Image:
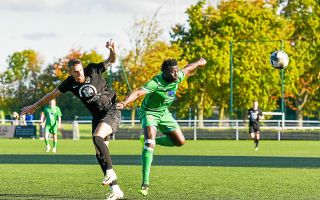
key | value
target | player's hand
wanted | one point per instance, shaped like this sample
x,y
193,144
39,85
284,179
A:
x,y
28,109
111,46
202,62
121,105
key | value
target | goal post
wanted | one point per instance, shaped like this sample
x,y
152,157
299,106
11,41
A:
x,y
282,121
75,130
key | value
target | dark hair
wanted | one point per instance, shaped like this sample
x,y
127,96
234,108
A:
x,y
72,62
168,63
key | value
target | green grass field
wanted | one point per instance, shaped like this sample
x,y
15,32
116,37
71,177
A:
x,y
198,170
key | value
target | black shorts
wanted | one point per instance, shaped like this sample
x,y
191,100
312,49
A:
x,y
253,128
111,117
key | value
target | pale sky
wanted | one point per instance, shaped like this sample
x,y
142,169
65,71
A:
x,y
53,27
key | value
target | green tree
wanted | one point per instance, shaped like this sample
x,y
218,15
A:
x,y
303,72
197,42
208,35
19,81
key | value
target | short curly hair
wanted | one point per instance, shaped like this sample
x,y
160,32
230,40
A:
x,y
168,63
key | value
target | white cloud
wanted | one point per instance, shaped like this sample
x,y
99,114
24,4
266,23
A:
x,y
39,35
76,6
30,5
53,27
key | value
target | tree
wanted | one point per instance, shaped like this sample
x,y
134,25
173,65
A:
x,y
197,42
305,40
19,81
208,34
143,36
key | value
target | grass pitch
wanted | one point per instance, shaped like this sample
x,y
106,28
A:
x,y
198,170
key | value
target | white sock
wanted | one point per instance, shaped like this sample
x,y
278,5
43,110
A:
x,y
109,171
115,188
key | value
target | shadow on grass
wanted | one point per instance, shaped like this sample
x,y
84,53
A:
x,y
164,160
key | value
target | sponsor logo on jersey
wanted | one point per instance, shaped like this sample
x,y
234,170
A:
x,y
87,91
171,93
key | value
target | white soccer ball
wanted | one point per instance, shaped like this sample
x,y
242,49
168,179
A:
x,y
279,59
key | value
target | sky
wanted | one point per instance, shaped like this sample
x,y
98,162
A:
x,y
54,27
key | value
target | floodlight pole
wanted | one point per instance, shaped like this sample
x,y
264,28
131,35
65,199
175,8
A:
x,y
282,84
231,79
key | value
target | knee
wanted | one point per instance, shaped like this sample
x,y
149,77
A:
x,y
150,143
180,142
96,139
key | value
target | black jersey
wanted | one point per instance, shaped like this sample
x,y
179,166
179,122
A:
x,y
254,116
94,92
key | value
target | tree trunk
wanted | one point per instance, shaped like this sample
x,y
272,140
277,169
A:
x,y
221,114
133,116
200,110
299,115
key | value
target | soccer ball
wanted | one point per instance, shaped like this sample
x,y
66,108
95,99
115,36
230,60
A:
x,y
279,59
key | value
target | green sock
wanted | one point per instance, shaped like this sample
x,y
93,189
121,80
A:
x,y
55,144
164,141
146,157
46,141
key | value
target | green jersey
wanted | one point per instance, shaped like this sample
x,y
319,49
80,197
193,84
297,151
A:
x,y
52,115
160,94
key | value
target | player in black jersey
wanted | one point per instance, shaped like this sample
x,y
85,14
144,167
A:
x,y
91,88
254,115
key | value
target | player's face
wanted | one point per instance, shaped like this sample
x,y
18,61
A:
x,y
52,103
77,73
171,75
255,104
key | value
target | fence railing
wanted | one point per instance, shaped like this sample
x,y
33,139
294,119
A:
x,y
214,129
196,127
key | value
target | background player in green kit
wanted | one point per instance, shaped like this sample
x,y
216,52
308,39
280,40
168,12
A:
x,y
159,93
52,123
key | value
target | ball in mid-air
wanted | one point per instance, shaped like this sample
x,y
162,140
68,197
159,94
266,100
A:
x,y
279,59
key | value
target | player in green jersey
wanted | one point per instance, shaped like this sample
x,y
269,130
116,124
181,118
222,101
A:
x,y
159,93
51,123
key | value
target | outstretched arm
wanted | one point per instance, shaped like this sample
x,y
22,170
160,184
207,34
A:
x,y
112,55
189,69
131,98
30,109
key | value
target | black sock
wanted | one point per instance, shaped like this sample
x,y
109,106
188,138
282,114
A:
x,y
113,183
257,143
101,163
104,151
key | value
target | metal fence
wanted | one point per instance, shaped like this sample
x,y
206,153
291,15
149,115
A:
x,y
224,129
215,129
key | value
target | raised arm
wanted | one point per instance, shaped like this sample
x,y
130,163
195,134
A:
x,y
189,69
45,99
131,98
112,55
